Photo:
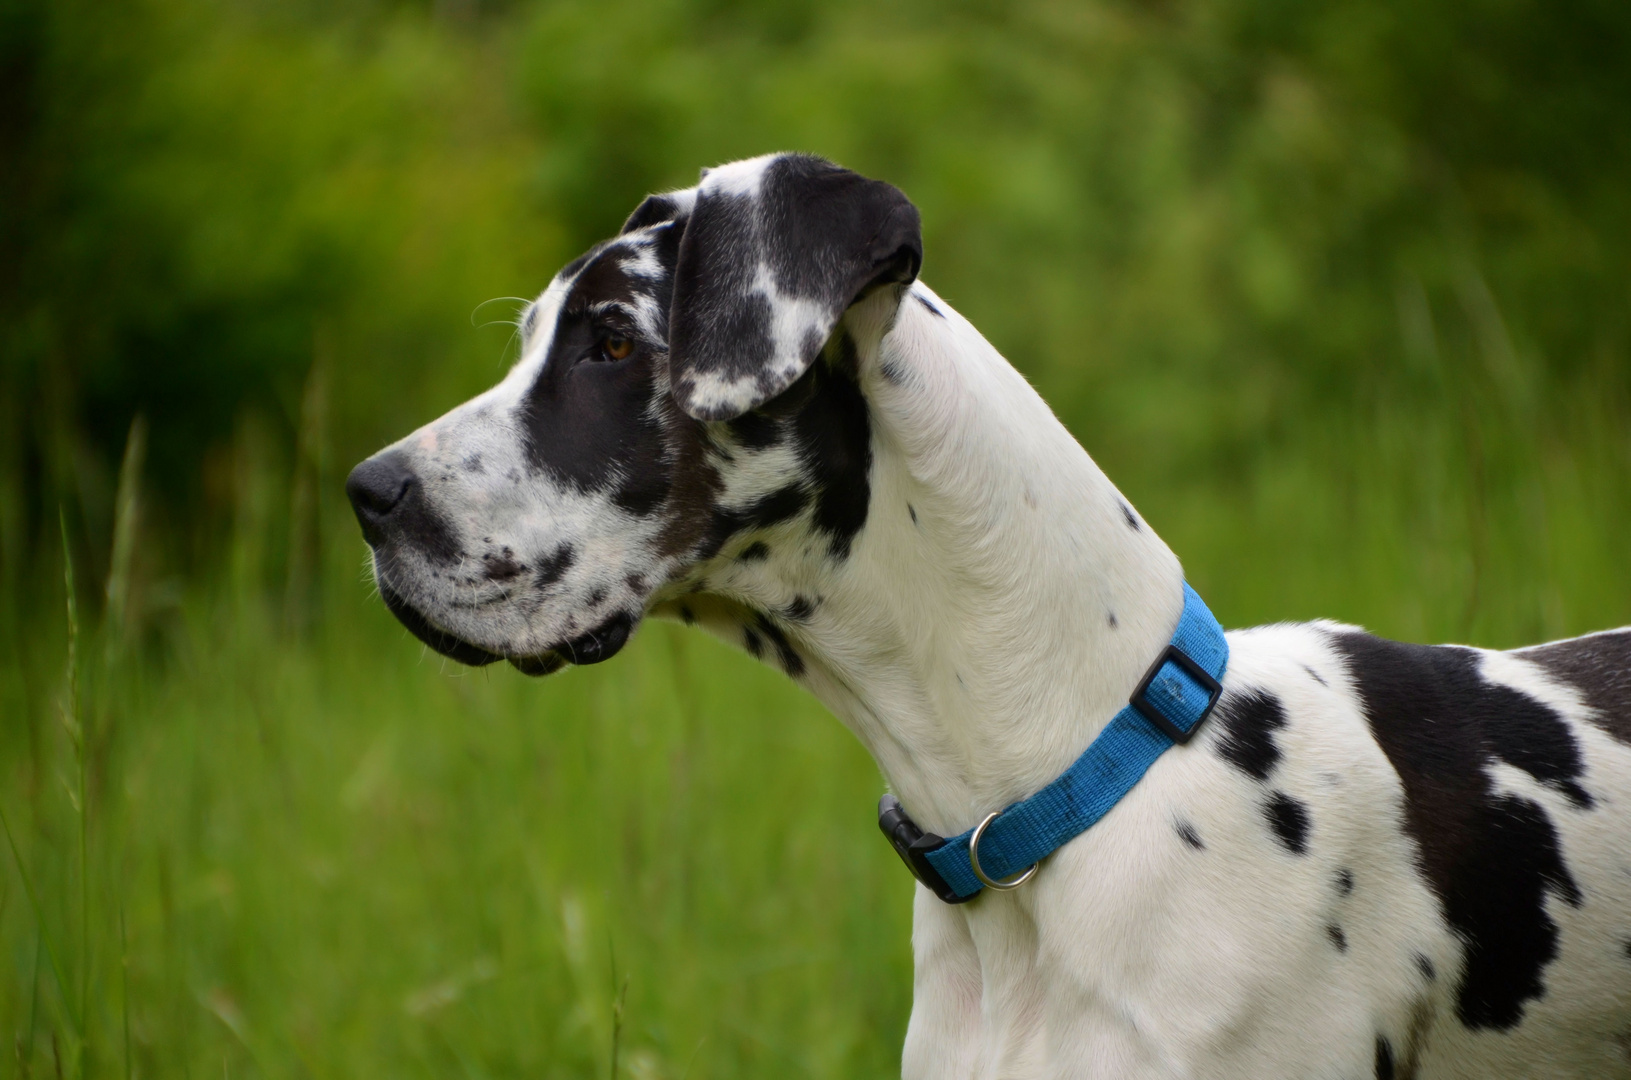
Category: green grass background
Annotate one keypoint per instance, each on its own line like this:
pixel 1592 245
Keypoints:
pixel 1338 292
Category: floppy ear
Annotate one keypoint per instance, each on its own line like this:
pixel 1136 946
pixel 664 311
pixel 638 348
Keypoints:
pixel 775 250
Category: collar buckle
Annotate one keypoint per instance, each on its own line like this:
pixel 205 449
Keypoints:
pixel 1153 712
pixel 913 845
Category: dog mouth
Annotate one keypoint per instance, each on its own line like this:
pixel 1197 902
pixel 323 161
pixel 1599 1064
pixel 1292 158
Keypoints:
pixel 600 644
pixel 438 639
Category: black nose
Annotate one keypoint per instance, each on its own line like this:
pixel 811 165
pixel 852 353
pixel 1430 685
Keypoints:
pixel 376 487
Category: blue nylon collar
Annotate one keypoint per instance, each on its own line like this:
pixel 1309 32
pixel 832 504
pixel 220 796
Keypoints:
pixel 1168 706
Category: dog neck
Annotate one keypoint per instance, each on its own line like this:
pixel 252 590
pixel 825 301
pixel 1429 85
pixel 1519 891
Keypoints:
pixel 1003 599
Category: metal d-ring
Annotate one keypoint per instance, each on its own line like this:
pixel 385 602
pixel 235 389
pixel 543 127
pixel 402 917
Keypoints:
pixel 974 861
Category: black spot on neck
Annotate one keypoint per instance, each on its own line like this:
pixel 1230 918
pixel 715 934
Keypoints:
pixel 892 373
pixel 1127 512
pixel 1384 1058
pixel 833 434
pixel 912 512
pixel 755 431
pixel 1338 938
pixel 1246 724
pixel 1289 820
pixel 687 616
pixel 790 660
pixel 1490 858
pixel 1186 833
pixel 800 609
pixel 924 300
pixel 1316 676
pixel 755 644
pixel 1345 882
pixel 1425 966
pixel 768 510
pixel 1110 617
pixel 755 552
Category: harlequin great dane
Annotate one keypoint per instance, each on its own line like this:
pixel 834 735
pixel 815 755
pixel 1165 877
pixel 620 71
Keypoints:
pixel 746 412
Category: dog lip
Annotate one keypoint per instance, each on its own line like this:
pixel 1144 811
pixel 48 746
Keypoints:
pixel 546 664
pixel 420 627
pixel 482 602
pixel 600 644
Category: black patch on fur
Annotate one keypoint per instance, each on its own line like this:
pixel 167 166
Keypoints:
pixel 924 300
pixel 597 596
pixel 755 552
pixel 1127 512
pixel 1316 676
pixel 636 584
pixel 824 234
pixel 790 660
pixel 1187 833
pixel 756 431
pixel 755 644
pixel 1599 666
pixel 1110 616
pixel 913 512
pixel 1338 938
pixel 1246 722
pixel 833 432
pixel 554 566
pixel 1384 1058
pixel 472 464
pixel 586 420
pixel 1425 965
pixel 687 616
pixel 768 510
pixel 800 609
pixel 1489 858
pixel 1289 820
pixel 1345 882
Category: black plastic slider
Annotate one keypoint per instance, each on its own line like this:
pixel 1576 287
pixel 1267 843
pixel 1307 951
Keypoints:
pixel 1152 712
pixel 913 845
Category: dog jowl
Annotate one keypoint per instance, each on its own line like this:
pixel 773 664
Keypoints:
pixel 681 387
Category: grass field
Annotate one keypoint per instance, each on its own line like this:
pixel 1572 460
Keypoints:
pixel 325 852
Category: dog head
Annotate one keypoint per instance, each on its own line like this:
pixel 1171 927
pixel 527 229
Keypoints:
pixel 680 389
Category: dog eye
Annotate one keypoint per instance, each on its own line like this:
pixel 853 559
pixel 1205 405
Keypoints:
pixel 616 348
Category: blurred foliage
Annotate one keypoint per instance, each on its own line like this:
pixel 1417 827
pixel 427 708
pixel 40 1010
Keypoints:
pixel 1199 227
pixel 1338 291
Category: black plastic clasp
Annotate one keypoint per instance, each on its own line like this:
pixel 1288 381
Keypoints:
pixel 913 845
pixel 1162 723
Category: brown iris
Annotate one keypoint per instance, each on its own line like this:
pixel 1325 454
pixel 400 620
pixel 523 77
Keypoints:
pixel 616 348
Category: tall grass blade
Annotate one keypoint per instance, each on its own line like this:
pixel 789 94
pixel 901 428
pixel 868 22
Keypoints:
pixel 77 728
pixel 39 921
pixel 126 525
